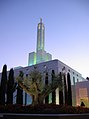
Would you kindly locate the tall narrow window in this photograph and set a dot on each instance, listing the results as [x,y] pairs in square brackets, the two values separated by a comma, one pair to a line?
[73,80]
[77,80]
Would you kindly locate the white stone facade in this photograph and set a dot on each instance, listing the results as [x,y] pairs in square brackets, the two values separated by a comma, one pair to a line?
[58,67]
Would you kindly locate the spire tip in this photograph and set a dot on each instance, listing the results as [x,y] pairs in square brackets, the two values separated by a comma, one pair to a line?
[40,20]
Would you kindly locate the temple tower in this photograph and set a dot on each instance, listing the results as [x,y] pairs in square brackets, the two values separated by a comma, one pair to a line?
[40,36]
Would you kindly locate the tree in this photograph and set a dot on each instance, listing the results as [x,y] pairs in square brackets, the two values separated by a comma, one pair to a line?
[69,100]
[3,85]
[10,87]
[0,94]
[87,78]
[53,93]
[46,84]
[34,86]
[61,91]
[82,104]
[19,98]
[65,90]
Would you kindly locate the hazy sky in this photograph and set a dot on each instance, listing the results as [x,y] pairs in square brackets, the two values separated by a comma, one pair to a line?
[66,31]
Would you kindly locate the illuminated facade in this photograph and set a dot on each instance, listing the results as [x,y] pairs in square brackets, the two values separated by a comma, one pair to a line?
[56,66]
[82,93]
[32,58]
[41,55]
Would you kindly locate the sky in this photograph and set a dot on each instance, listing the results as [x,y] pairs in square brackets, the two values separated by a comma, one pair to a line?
[66,31]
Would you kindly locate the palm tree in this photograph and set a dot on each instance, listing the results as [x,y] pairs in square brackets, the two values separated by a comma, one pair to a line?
[34,86]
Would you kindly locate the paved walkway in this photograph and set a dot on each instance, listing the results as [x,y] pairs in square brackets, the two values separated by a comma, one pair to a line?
[43,116]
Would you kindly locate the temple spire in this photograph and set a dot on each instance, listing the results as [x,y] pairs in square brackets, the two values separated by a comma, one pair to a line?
[40,36]
[40,20]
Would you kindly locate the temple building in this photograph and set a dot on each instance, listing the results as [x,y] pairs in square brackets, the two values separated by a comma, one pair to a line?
[55,66]
[42,61]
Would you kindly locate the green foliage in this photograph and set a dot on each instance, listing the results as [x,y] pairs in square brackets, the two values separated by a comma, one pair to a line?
[43,109]
[46,84]
[69,100]
[65,90]
[10,87]
[34,86]
[19,98]
[53,93]
[61,91]
[82,104]
[3,85]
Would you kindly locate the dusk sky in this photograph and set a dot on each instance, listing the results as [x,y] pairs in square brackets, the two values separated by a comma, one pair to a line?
[66,31]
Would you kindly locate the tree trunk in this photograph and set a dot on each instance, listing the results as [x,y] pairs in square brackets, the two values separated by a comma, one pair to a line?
[35,100]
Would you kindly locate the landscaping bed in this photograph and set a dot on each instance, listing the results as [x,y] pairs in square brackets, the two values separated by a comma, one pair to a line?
[43,109]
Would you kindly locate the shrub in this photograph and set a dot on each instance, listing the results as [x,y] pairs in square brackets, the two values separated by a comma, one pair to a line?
[43,109]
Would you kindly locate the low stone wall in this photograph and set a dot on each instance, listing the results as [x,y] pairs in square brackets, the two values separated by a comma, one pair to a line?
[44,116]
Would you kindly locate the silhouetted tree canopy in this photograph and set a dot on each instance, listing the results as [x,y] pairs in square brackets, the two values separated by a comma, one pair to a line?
[19,98]
[3,85]
[82,104]
[10,87]
[69,100]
